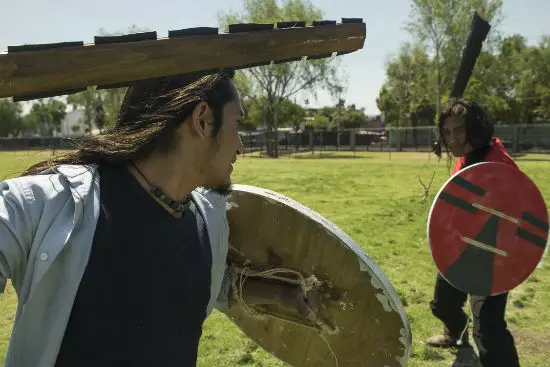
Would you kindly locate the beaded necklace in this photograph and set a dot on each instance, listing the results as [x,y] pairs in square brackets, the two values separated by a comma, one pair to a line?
[177,206]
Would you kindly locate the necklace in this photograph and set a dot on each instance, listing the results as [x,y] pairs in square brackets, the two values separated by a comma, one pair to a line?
[176,205]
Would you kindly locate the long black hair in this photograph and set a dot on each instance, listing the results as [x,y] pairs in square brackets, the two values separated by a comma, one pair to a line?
[149,115]
[479,129]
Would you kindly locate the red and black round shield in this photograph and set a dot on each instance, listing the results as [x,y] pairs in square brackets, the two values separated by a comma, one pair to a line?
[488,228]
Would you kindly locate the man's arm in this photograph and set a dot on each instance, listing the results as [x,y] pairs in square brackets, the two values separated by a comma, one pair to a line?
[15,233]
[260,292]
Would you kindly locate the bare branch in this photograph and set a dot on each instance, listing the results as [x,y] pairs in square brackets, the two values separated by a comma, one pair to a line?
[303,85]
[258,76]
[289,77]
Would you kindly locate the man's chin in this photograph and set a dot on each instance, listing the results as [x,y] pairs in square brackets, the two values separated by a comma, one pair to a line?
[457,153]
[223,190]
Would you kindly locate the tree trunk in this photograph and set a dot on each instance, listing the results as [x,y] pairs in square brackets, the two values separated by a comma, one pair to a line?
[438,89]
[276,131]
[270,148]
[414,124]
[271,122]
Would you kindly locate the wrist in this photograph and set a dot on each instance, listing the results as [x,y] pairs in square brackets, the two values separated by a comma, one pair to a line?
[280,293]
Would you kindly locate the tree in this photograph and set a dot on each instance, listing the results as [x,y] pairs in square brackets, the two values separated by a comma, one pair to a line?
[11,122]
[88,101]
[291,114]
[351,117]
[274,84]
[511,79]
[388,105]
[532,88]
[111,100]
[99,116]
[253,116]
[541,64]
[75,128]
[318,122]
[511,82]
[443,26]
[47,116]
[406,89]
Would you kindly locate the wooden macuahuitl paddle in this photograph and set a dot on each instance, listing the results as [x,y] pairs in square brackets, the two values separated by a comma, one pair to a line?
[363,322]
[39,71]
[479,30]
[488,228]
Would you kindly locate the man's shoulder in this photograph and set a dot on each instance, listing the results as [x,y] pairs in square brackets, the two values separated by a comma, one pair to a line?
[212,205]
[213,197]
[53,183]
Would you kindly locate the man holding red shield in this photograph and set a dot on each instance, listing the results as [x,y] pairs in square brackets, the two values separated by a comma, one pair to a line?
[468,134]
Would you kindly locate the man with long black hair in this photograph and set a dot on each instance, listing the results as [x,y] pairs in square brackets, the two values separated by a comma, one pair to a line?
[467,134]
[117,249]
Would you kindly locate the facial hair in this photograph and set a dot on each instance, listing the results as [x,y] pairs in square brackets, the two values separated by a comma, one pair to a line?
[224,190]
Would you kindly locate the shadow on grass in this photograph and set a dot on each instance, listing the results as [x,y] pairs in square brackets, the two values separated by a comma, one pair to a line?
[247,356]
[308,155]
[466,357]
[328,155]
[432,354]
[530,157]
[532,160]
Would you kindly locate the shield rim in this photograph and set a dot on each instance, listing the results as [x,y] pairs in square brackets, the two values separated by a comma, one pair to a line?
[347,241]
[433,205]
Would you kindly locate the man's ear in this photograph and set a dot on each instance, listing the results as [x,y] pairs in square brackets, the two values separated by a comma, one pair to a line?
[201,117]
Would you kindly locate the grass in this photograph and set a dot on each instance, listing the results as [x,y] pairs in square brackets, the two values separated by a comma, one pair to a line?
[377,201]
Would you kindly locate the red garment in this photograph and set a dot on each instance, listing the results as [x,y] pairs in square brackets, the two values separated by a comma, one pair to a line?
[497,153]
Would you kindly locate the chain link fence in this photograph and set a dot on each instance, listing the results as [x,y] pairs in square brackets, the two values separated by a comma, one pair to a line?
[518,139]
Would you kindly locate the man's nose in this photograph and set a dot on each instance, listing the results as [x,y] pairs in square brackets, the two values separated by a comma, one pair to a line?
[454,138]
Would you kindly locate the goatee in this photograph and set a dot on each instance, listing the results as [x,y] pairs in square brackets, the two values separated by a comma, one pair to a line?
[224,191]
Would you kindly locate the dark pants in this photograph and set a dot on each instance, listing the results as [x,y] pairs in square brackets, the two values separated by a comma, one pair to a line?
[492,337]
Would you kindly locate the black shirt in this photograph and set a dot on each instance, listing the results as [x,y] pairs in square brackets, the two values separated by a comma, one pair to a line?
[143,296]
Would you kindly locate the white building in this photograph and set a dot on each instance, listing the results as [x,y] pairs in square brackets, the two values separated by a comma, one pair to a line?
[73,125]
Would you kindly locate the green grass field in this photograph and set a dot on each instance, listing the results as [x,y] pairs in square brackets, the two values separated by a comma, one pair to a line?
[377,201]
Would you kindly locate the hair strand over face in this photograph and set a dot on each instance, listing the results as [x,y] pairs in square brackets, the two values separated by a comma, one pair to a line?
[149,115]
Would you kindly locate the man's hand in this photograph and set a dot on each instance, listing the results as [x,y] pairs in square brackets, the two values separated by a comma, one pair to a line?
[291,297]
[307,306]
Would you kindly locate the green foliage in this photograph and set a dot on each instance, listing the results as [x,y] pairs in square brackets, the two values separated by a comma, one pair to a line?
[407,87]
[46,116]
[290,115]
[269,86]
[318,122]
[334,117]
[11,121]
[86,100]
[511,79]
[76,128]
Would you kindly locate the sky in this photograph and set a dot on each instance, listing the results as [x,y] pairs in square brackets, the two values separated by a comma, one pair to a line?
[39,21]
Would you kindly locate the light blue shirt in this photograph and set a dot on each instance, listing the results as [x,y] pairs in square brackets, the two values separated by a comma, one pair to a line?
[47,225]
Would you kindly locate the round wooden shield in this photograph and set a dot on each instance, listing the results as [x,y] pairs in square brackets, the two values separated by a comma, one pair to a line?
[367,323]
[488,228]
